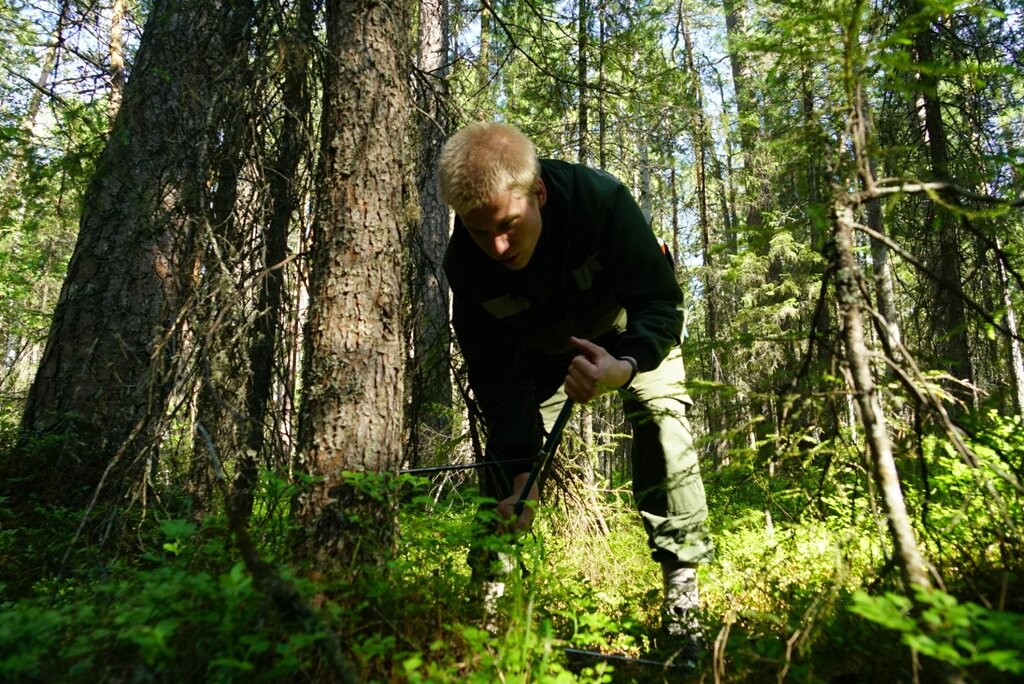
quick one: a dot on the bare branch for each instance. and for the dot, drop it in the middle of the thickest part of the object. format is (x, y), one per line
(914, 261)
(917, 385)
(266, 577)
(895, 186)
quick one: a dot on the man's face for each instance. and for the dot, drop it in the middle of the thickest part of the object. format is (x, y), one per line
(508, 227)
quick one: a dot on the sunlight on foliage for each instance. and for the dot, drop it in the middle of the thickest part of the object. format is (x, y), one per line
(958, 633)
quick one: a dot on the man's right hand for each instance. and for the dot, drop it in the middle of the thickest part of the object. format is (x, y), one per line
(594, 371)
(507, 507)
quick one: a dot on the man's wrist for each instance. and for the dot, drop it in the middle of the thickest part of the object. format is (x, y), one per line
(632, 372)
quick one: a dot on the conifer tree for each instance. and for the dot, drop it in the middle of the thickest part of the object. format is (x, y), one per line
(105, 374)
(354, 373)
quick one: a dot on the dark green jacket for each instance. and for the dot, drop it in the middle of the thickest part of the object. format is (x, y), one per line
(597, 273)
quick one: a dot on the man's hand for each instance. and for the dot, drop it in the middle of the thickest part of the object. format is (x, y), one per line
(507, 507)
(594, 372)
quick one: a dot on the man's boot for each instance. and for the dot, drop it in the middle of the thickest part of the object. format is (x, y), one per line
(492, 591)
(493, 588)
(680, 610)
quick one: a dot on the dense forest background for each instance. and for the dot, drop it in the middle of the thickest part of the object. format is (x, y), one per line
(227, 372)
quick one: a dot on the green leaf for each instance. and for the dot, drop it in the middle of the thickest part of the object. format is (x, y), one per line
(889, 610)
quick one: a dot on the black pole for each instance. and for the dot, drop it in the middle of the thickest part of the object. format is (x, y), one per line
(688, 665)
(457, 466)
(550, 444)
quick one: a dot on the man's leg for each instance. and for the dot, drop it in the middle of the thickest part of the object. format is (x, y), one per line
(488, 559)
(668, 489)
(550, 408)
(491, 565)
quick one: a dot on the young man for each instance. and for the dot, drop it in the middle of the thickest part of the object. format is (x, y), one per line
(562, 290)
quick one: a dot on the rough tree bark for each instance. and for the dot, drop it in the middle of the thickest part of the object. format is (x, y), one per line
(104, 372)
(354, 376)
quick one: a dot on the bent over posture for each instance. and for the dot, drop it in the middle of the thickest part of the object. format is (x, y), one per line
(561, 290)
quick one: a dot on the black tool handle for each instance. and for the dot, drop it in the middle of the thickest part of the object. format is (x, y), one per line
(550, 444)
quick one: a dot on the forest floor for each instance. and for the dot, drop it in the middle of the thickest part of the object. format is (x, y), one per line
(761, 600)
(793, 595)
(802, 589)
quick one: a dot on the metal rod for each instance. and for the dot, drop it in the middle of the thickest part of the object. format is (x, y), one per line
(458, 466)
(620, 658)
(550, 444)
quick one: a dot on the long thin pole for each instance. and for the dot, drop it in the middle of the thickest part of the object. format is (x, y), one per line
(550, 444)
(457, 466)
(624, 659)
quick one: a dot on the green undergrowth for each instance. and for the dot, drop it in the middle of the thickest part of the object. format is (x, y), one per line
(801, 589)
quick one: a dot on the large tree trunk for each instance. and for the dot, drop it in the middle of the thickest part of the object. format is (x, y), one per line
(353, 380)
(106, 368)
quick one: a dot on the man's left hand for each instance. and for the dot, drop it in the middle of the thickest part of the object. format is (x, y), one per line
(594, 372)
(507, 507)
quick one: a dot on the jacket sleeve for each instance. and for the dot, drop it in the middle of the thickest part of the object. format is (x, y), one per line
(502, 384)
(644, 283)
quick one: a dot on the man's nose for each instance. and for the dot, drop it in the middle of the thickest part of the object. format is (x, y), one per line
(500, 244)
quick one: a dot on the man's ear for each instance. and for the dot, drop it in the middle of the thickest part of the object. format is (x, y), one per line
(541, 193)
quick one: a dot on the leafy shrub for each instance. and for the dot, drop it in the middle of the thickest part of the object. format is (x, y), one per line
(177, 621)
(961, 634)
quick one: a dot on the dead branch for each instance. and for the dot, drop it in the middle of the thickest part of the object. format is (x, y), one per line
(284, 596)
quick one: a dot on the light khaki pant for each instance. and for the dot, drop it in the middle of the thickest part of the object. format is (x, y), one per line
(667, 486)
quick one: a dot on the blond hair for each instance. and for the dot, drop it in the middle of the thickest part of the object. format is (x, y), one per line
(484, 160)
